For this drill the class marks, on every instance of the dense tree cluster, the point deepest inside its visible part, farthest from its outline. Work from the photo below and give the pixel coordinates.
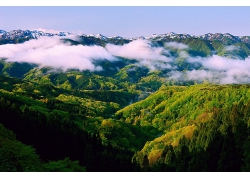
(127, 117)
(60, 143)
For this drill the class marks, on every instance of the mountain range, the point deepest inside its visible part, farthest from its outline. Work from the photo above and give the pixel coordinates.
(217, 58)
(34, 34)
(168, 102)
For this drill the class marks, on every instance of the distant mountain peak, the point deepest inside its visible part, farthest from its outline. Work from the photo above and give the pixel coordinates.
(36, 33)
(28, 34)
(2, 31)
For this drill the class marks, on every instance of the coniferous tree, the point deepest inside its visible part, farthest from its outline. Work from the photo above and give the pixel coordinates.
(228, 156)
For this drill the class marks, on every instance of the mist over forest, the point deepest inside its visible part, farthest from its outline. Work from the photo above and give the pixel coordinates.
(171, 102)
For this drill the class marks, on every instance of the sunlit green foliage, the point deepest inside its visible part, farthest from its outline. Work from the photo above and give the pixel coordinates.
(75, 120)
(208, 108)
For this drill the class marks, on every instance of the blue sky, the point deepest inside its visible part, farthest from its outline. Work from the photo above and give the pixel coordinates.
(129, 21)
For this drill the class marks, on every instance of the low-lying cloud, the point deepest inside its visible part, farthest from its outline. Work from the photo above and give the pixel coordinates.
(225, 64)
(144, 52)
(51, 51)
(216, 69)
(231, 48)
(139, 50)
(175, 45)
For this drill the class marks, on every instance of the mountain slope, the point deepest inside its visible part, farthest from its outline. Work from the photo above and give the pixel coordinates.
(180, 111)
(167, 102)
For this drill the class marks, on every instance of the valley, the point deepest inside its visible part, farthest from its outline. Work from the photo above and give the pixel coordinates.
(172, 102)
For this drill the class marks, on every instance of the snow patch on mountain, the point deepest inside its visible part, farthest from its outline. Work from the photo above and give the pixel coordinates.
(37, 33)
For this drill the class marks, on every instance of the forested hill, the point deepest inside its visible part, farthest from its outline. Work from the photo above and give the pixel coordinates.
(94, 103)
(177, 128)
(204, 125)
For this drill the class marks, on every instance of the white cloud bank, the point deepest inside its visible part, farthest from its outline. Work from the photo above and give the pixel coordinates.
(175, 45)
(51, 51)
(217, 69)
(139, 50)
(143, 51)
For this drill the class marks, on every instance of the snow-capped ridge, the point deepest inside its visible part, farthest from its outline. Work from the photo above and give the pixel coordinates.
(28, 34)
(2, 31)
(37, 33)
